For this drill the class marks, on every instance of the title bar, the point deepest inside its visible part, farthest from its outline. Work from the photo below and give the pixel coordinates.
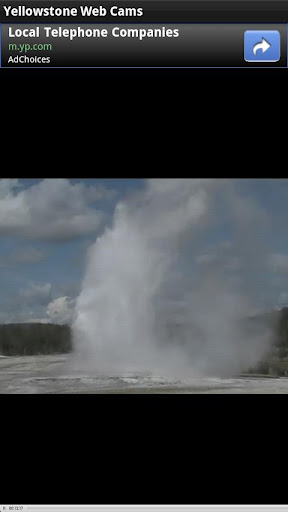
(145, 11)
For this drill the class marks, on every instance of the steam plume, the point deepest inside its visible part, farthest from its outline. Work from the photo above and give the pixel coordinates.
(141, 307)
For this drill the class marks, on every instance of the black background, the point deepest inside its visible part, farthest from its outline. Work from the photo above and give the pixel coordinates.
(150, 449)
(157, 449)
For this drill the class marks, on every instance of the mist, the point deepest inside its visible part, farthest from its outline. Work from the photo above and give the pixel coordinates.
(152, 299)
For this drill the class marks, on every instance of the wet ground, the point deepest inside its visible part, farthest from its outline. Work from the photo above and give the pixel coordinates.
(51, 374)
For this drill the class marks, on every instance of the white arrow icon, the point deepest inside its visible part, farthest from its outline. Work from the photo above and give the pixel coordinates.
(264, 46)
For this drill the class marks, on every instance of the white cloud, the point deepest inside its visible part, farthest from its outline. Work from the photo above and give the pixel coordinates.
(53, 209)
(34, 305)
(37, 307)
(61, 310)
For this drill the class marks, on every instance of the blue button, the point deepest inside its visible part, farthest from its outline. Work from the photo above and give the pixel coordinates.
(262, 46)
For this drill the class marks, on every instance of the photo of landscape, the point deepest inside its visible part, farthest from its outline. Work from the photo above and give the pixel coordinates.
(156, 285)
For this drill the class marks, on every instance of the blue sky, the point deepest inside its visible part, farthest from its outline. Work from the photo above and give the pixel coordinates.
(47, 225)
(42, 267)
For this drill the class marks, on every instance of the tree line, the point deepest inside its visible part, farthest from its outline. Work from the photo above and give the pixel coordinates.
(36, 338)
(33, 339)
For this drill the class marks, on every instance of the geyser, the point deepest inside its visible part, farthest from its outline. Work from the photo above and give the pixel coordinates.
(142, 306)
